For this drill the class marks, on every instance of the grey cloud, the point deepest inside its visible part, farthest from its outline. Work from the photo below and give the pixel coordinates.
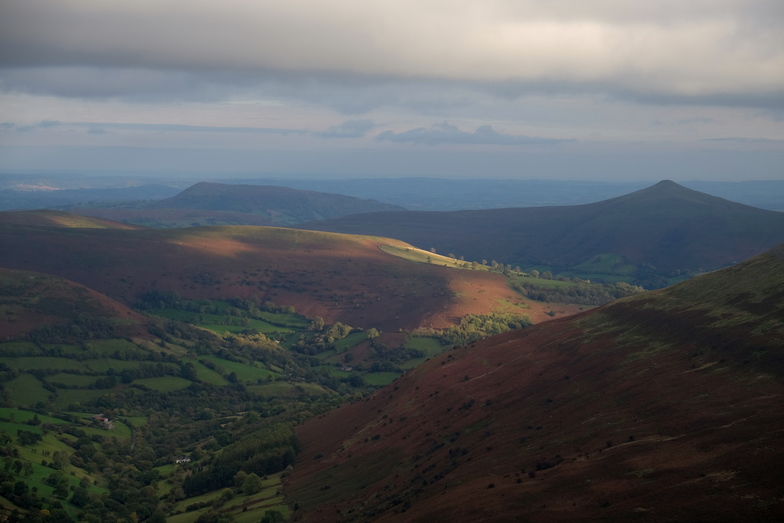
(685, 121)
(446, 133)
(720, 52)
(349, 129)
(186, 128)
(744, 140)
(100, 128)
(44, 124)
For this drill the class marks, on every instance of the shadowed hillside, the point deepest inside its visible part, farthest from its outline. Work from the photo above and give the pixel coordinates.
(665, 406)
(209, 203)
(335, 276)
(61, 219)
(659, 231)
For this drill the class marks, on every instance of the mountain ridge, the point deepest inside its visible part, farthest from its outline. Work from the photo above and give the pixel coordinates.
(210, 203)
(666, 227)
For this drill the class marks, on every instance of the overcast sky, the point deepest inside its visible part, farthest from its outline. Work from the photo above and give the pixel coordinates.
(567, 89)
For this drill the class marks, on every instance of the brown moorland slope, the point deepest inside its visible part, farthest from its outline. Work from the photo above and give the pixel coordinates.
(666, 225)
(666, 406)
(339, 277)
(31, 300)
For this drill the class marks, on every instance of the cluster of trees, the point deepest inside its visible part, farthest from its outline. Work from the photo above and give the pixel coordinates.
(267, 450)
(583, 292)
(474, 327)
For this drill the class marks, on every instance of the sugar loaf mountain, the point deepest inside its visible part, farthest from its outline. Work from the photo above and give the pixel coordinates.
(656, 233)
(254, 373)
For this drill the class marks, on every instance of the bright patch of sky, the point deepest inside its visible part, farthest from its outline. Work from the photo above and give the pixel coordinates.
(608, 89)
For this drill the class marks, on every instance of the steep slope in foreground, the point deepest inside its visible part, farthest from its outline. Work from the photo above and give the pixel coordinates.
(335, 276)
(666, 406)
(666, 225)
(226, 204)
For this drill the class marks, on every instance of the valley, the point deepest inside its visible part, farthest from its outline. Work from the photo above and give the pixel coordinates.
(246, 373)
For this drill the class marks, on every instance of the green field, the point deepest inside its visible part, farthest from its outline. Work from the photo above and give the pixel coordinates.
(111, 346)
(73, 396)
(71, 380)
(541, 282)
(19, 348)
(103, 365)
(25, 390)
(267, 323)
(381, 378)
(429, 346)
(352, 340)
(164, 383)
(42, 363)
(606, 264)
(206, 374)
(156, 414)
(244, 371)
(243, 508)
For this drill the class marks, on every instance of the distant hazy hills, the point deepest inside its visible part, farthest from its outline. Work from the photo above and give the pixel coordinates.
(665, 406)
(55, 190)
(42, 196)
(221, 204)
(660, 230)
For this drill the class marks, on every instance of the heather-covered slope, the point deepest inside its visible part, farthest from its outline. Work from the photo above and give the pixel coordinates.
(667, 226)
(338, 277)
(666, 406)
(30, 301)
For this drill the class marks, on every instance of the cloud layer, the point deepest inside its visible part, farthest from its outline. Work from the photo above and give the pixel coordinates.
(719, 51)
(446, 133)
